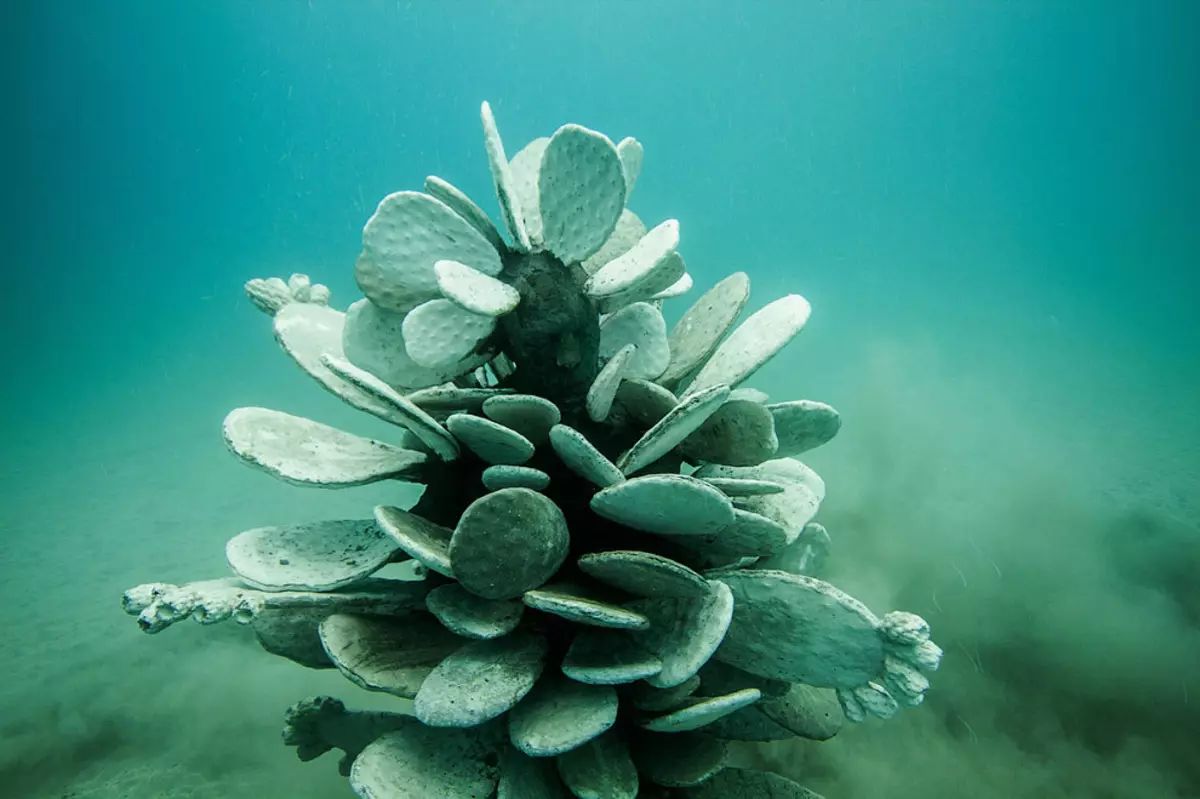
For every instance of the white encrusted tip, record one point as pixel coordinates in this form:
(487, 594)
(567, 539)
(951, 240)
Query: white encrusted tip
(159, 605)
(373, 339)
(428, 431)
(680, 287)
(272, 293)
(641, 325)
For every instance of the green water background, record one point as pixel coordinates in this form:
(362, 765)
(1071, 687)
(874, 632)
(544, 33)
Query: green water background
(992, 207)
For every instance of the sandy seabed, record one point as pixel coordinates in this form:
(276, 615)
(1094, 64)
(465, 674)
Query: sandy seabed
(1056, 561)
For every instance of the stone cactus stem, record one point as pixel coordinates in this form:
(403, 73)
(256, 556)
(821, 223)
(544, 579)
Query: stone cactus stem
(553, 336)
(314, 726)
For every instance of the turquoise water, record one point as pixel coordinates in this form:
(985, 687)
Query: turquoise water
(991, 206)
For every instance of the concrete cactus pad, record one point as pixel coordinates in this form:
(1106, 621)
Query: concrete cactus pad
(740, 433)
(373, 339)
(502, 178)
(307, 332)
(684, 633)
(678, 760)
(756, 341)
(465, 614)
(785, 471)
(751, 394)
(581, 192)
(903, 681)
(701, 712)
(747, 724)
(269, 295)
(525, 166)
(159, 605)
(628, 232)
(529, 415)
(508, 542)
(791, 509)
(493, 443)
(672, 429)
(292, 634)
(644, 574)
(665, 503)
(740, 783)
(664, 276)
(600, 769)
(427, 542)
(812, 713)
(481, 680)
(641, 325)
(703, 326)
(559, 715)
(803, 425)
(575, 604)
(441, 401)
(524, 777)
(389, 654)
(806, 555)
(474, 291)
(750, 535)
(800, 629)
(600, 396)
(608, 657)
(417, 763)
(647, 697)
(631, 153)
(641, 265)
(904, 629)
(744, 486)
(439, 333)
(677, 289)
(408, 233)
(318, 556)
(506, 476)
(435, 437)
(305, 452)
(581, 457)
(647, 403)
(462, 205)
(717, 679)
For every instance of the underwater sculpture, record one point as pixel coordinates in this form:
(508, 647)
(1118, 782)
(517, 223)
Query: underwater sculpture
(615, 550)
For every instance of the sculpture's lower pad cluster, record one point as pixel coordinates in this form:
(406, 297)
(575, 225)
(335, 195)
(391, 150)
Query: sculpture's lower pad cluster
(614, 558)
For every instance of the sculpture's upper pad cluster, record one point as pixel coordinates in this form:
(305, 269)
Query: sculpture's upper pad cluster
(614, 561)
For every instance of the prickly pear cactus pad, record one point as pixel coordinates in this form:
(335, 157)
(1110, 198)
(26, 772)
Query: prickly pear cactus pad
(616, 549)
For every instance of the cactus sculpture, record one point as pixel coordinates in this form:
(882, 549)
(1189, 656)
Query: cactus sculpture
(615, 555)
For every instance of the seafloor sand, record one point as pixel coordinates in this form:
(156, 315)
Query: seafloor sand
(978, 497)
